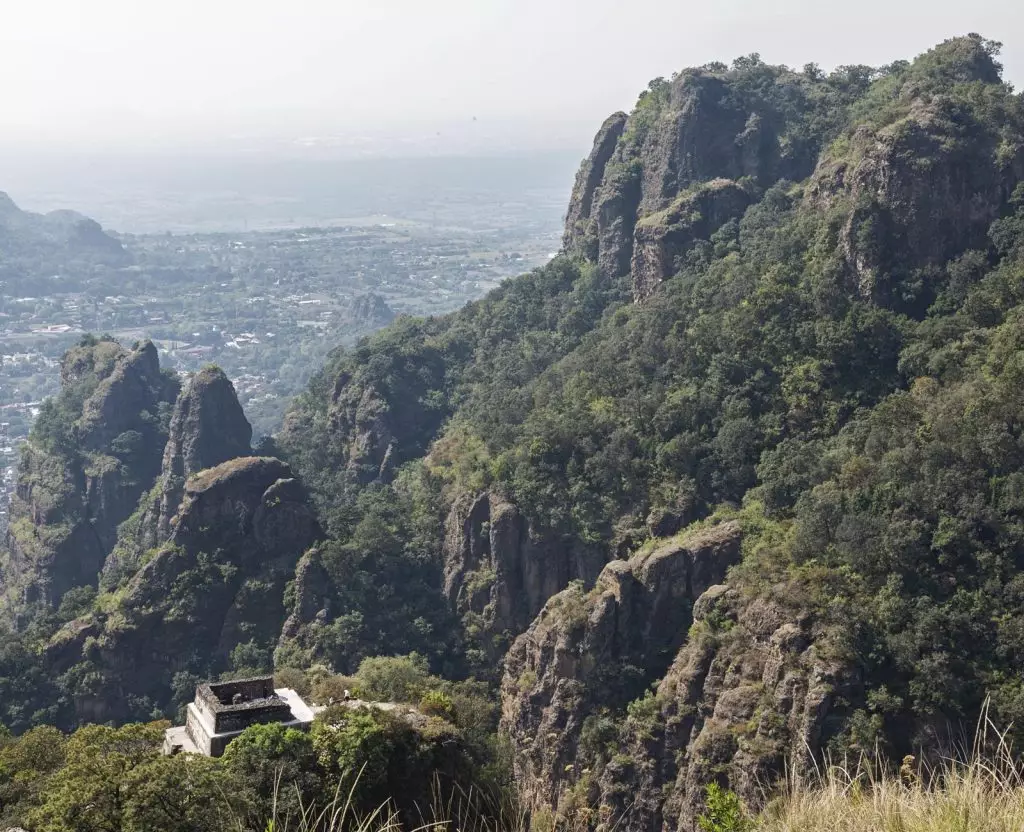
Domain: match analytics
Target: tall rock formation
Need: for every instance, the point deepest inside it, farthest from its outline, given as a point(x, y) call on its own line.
point(93, 453)
point(500, 572)
point(602, 648)
point(753, 693)
point(698, 128)
point(207, 428)
point(216, 583)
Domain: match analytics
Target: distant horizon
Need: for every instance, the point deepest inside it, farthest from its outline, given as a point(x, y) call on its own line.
point(118, 76)
point(189, 193)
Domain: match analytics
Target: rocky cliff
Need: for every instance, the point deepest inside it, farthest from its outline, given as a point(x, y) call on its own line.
point(93, 453)
point(752, 694)
point(634, 210)
point(700, 127)
point(207, 427)
point(600, 649)
point(216, 583)
point(898, 219)
point(498, 574)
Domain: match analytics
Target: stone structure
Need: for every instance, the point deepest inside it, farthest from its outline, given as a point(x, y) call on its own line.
point(221, 711)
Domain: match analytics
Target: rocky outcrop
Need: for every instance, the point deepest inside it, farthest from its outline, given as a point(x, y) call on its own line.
point(661, 239)
point(497, 569)
point(371, 311)
point(749, 695)
point(135, 386)
point(362, 417)
point(602, 649)
point(217, 582)
point(743, 688)
point(899, 219)
point(700, 127)
point(580, 229)
point(80, 478)
point(208, 427)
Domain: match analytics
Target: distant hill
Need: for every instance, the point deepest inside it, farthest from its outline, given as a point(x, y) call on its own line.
point(28, 236)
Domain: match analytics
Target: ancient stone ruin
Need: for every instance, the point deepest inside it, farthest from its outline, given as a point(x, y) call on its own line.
point(223, 710)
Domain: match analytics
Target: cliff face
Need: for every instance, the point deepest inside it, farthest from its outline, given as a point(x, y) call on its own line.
point(216, 583)
point(85, 468)
point(751, 693)
point(601, 649)
point(698, 128)
point(634, 211)
point(207, 428)
point(500, 573)
point(901, 214)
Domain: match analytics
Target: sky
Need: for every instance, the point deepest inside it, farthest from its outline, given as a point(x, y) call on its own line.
point(143, 74)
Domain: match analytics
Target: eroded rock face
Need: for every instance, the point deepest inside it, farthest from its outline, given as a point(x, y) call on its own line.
point(698, 128)
point(661, 239)
point(580, 230)
point(70, 498)
point(208, 427)
point(744, 688)
point(217, 582)
point(496, 568)
point(898, 218)
point(602, 649)
point(750, 694)
point(362, 416)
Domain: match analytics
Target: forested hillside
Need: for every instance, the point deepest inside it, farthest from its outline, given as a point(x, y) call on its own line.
point(733, 483)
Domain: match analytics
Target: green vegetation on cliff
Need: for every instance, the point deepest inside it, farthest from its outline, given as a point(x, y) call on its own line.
point(833, 355)
point(730, 485)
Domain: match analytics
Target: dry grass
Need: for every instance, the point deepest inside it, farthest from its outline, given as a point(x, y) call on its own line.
point(979, 791)
point(982, 791)
point(458, 811)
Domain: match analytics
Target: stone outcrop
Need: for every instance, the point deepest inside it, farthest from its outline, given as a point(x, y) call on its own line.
point(217, 582)
point(73, 493)
point(371, 311)
point(135, 386)
point(899, 219)
point(698, 128)
point(496, 568)
point(749, 695)
point(580, 229)
point(602, 649)
point(208, 427)
point(662, 238)
point(743, 689)
point(362, 416)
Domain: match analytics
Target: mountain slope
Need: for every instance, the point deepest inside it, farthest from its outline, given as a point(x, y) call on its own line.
point(779, 288)
point(727, 486)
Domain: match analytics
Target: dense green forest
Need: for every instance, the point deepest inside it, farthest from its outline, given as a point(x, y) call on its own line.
point(788, 321)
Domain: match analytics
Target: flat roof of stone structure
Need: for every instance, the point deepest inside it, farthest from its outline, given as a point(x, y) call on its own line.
point(215, 724)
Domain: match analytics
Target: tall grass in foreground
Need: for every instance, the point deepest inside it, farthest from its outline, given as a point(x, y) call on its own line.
point(977, 791)
point(459, 811)
point(982, 791)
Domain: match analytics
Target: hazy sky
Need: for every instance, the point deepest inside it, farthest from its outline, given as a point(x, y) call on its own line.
point(542, 72)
